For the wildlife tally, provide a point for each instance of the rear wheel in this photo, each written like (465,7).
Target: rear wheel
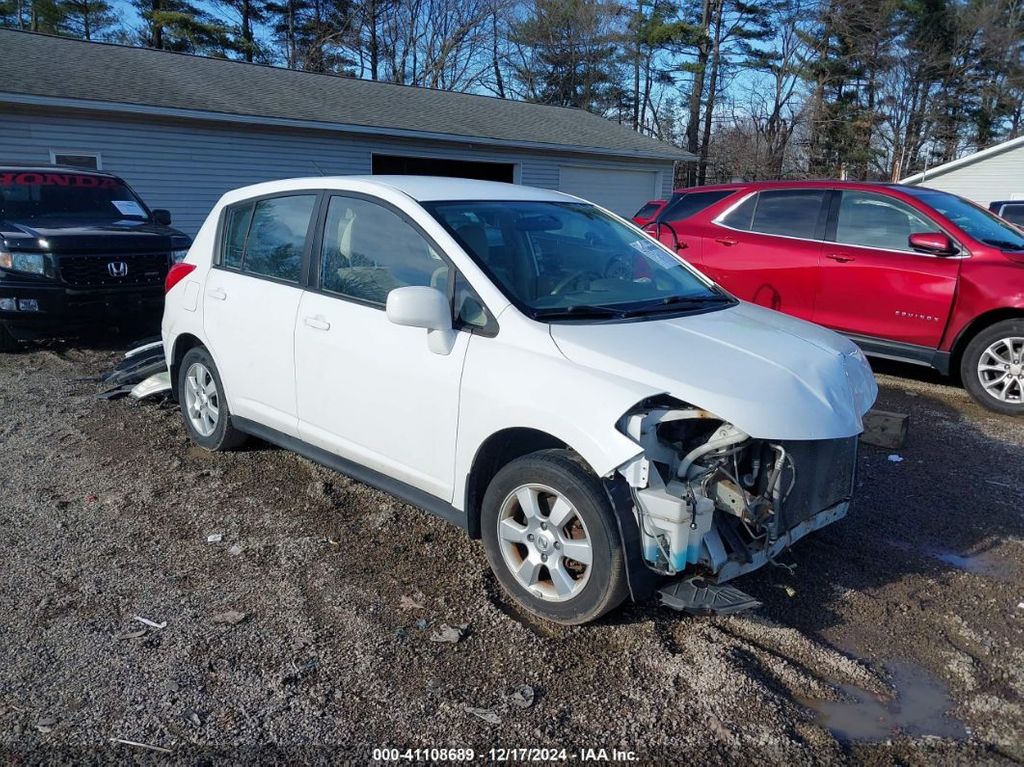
(551,539)
(992,367)
(203,405)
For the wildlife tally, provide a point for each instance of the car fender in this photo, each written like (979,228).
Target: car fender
(524,382)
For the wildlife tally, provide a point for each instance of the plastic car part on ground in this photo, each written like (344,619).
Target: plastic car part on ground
(142,373)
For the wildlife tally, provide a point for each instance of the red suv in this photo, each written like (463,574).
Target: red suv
(908,273)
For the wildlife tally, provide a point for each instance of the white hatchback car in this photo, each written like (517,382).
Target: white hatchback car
(526,365)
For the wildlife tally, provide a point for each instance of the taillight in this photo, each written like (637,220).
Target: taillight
(177,273)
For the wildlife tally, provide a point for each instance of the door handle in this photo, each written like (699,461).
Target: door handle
(840,259)
(218,294)
(727,241)
(317,323)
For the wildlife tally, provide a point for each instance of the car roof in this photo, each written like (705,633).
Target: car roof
(419,188)
(39,168)
(434,188)
(753,186)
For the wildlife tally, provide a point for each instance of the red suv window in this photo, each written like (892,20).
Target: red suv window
(786,212)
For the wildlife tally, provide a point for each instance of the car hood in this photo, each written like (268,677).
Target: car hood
(81,237)
(773,376)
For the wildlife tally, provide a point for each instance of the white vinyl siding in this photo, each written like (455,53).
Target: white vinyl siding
(999,176)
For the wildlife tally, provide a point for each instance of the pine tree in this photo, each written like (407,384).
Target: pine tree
(87,19)
(182,26)
(567,54)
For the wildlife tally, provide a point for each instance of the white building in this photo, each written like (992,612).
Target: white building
(996,173)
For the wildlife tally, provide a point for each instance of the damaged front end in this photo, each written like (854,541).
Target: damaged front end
(712,503)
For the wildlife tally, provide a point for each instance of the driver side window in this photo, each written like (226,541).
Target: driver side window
(876,221)
(369,250)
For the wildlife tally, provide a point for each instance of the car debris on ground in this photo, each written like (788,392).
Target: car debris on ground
(486,714)
(450,634)
(143,368)
(230,617)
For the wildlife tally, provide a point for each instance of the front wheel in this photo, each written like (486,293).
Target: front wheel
(992,367)
(203,405)
(551,538)
(7,341)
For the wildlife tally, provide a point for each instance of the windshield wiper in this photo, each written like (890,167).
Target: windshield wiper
(675,303)
(577,312)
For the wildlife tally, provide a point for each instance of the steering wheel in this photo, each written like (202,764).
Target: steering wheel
(619,268)
(572,278)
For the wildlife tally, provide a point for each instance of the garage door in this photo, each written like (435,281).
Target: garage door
(621,191)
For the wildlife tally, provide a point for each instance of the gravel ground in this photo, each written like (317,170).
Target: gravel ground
(896,639)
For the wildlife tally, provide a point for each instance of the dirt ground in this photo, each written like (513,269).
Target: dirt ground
(897,639)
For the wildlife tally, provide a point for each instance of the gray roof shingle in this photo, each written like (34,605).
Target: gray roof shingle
(54,67)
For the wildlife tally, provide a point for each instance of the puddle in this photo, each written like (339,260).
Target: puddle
(919,708)
(979,564)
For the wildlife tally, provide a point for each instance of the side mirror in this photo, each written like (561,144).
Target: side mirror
(161,216)
(932,243)
(422,307)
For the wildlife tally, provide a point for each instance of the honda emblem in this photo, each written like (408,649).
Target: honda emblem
(118,269)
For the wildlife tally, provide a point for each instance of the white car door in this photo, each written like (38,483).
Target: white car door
(251,300)
(368,390)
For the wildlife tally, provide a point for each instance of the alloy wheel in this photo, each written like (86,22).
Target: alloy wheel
(202,401)
(1001,370)
(545,543)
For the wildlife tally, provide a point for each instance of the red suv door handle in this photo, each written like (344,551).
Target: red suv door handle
(727,241)
(840,259)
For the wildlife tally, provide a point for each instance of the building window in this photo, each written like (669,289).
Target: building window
(84,160)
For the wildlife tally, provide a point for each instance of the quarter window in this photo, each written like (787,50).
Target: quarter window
(876,221)
(369,250)
(236,229)
(690,203)
(277,237)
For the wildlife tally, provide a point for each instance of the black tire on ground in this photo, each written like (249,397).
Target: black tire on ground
(605,586)
(972,378)
(224,435)
(7,341)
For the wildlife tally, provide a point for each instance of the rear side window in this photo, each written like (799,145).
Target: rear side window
(1013,213)
(690,203)
(784,212)
(268,237)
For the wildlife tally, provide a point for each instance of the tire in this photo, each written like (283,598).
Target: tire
(204,408)
(992,367)
(7,341)
(568,511)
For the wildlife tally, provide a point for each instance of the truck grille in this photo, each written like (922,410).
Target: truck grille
(114,271)
(825,471)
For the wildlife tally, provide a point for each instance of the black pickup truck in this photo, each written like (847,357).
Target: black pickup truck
(79,250)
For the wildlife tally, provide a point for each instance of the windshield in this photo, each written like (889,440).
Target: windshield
(976,222)
(559,260)
(38,196)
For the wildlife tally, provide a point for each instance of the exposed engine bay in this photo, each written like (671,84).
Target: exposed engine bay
(711,500)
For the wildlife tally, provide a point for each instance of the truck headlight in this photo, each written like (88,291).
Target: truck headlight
(30,263)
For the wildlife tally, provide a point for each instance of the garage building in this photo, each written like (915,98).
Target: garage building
(184,129)
(996,173)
